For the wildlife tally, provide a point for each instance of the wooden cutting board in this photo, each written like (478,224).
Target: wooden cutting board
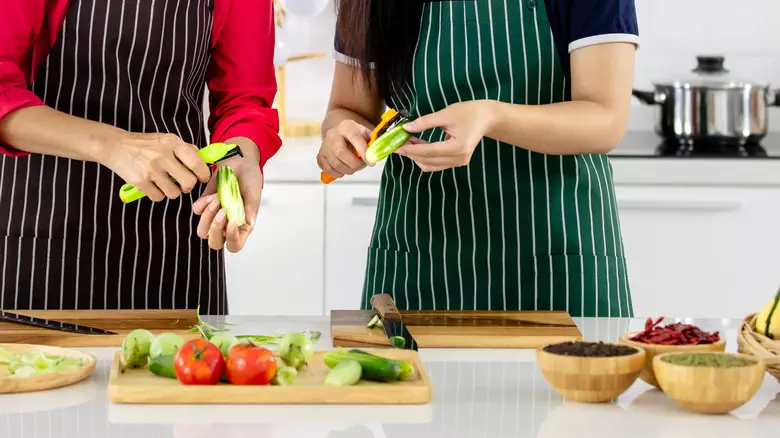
(141,386)
(459,329)
(119,321)
(12,385)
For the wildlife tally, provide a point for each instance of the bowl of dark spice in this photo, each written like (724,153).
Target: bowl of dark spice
(657,339)
(590,372)
(709,382)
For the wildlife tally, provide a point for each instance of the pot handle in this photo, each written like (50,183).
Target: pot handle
(773,98)
(648,97)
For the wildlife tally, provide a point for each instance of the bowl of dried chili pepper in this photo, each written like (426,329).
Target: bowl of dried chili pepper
(656,339)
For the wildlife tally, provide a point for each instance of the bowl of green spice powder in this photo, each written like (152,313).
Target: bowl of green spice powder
(709,382)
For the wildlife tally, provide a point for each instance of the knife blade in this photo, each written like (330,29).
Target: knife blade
(393,323)
(51,324)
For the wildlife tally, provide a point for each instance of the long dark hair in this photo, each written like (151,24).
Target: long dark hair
(383,33)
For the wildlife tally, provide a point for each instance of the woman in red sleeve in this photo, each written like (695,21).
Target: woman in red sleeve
(96,93)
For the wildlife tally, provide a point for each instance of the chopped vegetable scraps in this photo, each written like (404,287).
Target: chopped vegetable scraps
(674,334)
(35,363)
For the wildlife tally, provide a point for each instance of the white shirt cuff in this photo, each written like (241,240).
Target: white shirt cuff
(602,39)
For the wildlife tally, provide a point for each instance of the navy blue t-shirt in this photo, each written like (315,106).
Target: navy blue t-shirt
(575,24)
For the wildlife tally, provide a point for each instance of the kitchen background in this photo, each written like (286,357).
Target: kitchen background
(700,234)
(673,32)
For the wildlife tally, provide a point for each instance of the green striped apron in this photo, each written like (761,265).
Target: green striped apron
(513,230)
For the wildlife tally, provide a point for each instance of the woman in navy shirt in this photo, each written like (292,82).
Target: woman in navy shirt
(505,198)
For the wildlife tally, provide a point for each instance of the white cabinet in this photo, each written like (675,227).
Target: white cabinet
(349,218)
(280,270)
(700,252)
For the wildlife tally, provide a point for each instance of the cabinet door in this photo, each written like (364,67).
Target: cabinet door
(279,271)
(349,217)
(700,252)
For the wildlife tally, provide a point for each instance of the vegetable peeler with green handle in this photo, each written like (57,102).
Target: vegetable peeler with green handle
(211,154)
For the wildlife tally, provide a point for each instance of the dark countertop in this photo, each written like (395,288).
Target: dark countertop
(647,144)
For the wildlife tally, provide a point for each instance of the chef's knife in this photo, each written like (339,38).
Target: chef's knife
(396,331)
(51,324)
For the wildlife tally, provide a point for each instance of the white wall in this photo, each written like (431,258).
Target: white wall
(673,32)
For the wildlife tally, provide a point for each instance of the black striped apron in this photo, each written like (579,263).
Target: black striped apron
(68,241)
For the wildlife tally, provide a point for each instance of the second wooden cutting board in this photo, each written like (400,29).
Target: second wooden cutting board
(459,329)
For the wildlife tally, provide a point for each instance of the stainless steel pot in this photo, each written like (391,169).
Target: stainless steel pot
(711,106)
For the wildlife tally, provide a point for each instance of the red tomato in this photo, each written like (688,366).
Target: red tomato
(199,362)
(250,365)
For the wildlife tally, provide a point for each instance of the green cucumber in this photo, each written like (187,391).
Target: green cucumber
(230,195)
(387,144)
(345,373)
(163,366)
(374,368)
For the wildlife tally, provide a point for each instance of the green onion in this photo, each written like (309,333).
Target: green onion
(230,195)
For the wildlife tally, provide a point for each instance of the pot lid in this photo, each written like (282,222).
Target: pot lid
(710,73)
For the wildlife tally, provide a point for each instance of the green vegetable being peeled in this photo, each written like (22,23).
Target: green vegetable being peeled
(229,193)
(387,143)
(296,349)
(136,348)
(166,343)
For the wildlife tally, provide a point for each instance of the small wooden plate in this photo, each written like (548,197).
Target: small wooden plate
(11,385)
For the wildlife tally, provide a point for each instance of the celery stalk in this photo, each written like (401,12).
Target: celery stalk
(230,195)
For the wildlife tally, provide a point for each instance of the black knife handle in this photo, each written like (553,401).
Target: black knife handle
(384,305)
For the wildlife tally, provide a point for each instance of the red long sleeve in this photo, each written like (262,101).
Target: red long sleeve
(20,26)
(241,77)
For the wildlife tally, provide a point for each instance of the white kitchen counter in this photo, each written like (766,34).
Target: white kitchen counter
(476,393)
(296,162)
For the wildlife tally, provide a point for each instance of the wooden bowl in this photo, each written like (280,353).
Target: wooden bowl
(653,350)
(590,379)
(9,385)
(709,390)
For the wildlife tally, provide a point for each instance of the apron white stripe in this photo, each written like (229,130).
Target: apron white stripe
(454,181)
(530,162)
(498,154)
(139,206)
(98,167)
(430,138)
(124,206)
(40,191)
(181,199)
(579,229)
(484,162)
(514,151)
(178,133)
(441,175)
(565,239)
(111,198)
(143,124)
(83,163)
(24,216)
(530,171)
(592,237)
(607,184)
(547,178)
(200,57)
(468,169)
(604,238)
(70,164)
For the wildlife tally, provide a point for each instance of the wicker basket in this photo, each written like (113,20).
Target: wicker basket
(757,345)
